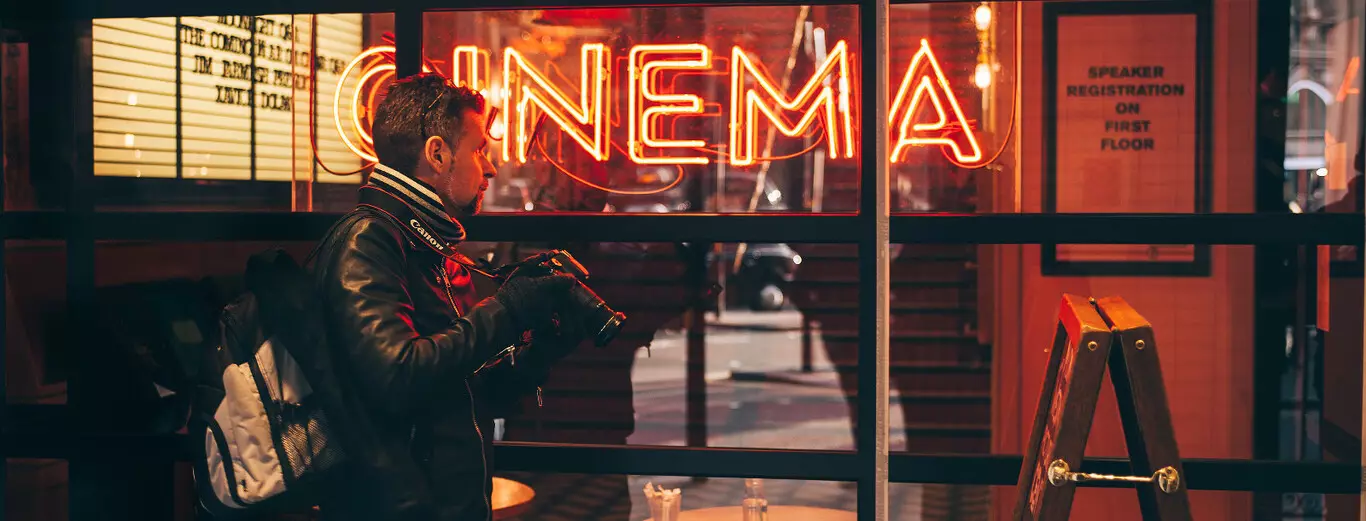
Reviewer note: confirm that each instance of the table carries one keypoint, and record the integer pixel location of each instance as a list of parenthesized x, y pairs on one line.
[(775, 513), (510, 498)]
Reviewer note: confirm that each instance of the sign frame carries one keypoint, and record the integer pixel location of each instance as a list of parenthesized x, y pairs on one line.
[(1199, 265)]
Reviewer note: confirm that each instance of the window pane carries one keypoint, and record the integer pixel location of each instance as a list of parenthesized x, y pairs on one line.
[(224, 112), (35, 322), (971, 328), (1335, 507), (933, 502), (1323, 117), (36, 489), (670, 148), (14, 131), (135, 75), (1114, 123), (753, 375), (1324, 141), (950, 143)]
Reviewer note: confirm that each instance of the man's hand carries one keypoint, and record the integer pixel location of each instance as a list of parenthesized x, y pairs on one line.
[(557, 339), (531, 300)]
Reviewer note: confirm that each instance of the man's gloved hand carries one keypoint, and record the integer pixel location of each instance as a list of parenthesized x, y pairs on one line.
[(532, 300), (555, 340)]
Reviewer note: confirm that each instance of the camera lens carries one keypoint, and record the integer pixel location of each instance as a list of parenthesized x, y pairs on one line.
[(610, 327), (601, 320)]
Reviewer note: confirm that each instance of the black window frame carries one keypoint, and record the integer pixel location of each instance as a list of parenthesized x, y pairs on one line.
[(91, 451)]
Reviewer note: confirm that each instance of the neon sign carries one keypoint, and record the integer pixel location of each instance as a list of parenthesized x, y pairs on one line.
[(922, 67), (815, 94), (641, 88), (924, 111)]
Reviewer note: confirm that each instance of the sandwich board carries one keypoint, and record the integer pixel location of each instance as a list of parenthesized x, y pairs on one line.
[(1092, 335)]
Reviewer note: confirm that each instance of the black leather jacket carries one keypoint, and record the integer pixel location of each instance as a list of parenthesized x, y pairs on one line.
[(408, 334)]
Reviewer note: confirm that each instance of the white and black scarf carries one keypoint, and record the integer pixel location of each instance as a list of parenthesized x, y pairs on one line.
[(421, 199)]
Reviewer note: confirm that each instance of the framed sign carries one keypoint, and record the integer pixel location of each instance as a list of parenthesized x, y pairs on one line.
[(1126, 104)]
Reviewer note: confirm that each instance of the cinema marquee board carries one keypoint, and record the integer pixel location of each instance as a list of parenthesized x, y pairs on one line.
[(1126, 127), (234, 107)]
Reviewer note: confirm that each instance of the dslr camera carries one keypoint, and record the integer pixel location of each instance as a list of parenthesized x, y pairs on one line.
[(601, 321)]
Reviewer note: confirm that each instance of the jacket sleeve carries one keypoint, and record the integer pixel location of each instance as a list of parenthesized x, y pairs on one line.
[(369, 312), (510, 380)]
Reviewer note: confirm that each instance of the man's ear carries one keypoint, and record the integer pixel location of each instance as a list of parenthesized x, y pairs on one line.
[(435, 152)]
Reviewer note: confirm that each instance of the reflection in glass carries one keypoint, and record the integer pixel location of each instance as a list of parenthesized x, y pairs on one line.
[(1324, 136), (36, 489), (643, 110), (744, 368), (14, 147), (761, 364), (730, 109), (35, 319), (936, 502)]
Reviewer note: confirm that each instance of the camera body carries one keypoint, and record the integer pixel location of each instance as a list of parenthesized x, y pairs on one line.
[(600, 321)]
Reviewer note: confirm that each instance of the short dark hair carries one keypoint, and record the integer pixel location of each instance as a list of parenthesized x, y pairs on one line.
[(416, 108)]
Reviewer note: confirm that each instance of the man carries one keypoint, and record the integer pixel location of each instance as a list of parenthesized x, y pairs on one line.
[(417, 359)]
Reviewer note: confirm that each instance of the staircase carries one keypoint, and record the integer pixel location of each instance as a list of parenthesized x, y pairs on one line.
[(940, 372)]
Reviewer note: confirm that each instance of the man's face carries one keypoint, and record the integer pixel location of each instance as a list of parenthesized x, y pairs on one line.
[(461, 175)]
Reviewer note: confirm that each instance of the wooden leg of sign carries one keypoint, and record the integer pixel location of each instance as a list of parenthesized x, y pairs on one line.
[(1067, 404), (1144, 410)]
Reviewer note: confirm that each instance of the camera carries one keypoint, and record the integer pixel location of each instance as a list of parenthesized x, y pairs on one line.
[(601, 321)]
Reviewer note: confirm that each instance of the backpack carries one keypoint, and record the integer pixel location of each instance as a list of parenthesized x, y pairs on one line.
[(263, 396)]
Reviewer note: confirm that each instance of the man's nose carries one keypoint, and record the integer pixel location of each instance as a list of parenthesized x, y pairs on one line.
[(489, 171)]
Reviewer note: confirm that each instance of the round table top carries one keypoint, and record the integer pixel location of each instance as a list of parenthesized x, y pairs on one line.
[(510, 498), (775, 513)]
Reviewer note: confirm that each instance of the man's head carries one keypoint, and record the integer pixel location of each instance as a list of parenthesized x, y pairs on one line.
[(436, 133)]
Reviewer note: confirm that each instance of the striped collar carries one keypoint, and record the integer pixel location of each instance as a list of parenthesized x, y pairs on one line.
[(420, 198)]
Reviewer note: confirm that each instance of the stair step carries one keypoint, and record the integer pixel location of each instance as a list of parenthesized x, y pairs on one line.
[(956, 336), (906, 308)]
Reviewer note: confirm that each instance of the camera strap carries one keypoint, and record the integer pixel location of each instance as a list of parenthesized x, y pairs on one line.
[(398, 210)]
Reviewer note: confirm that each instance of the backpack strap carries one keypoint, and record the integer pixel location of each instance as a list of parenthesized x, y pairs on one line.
[(312, 255)]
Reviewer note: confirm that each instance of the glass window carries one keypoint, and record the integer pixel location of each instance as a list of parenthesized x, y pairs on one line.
[(971, 327), (36, 489), (225, 112), (668, 149), (953, 107), (1323, 124), (1324, 138), (744, 368), (35, 307), (657, 110), (136, 96), (14, 132)]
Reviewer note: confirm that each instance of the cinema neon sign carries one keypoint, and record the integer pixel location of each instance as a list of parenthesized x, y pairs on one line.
[(924, 112)]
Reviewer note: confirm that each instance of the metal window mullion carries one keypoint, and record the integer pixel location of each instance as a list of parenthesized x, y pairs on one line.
[(88, 494), (4, 317), (407, 41), (1361, 234), (874, 269), (1341, 229)]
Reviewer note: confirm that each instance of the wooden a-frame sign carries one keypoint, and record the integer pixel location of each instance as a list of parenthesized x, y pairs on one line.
[(1091, 335)]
